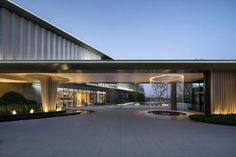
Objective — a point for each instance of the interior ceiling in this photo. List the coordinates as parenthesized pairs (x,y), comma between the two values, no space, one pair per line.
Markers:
(95,77)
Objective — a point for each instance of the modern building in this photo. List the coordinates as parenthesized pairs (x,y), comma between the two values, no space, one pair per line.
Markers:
(27,37)
(33,52)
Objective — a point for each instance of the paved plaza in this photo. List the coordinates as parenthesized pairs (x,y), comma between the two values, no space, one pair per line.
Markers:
(116,132)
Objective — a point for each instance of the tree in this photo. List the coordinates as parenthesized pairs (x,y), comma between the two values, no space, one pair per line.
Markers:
(188,92)
(13,98)
(140,88)
(180,91)
(160,90)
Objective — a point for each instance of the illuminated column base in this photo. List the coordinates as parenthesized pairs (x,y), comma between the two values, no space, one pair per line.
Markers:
(173,96)
(48,90)
(48,93)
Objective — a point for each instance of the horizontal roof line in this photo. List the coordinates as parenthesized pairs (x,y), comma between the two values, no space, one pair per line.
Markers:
(116,61)
(116,66)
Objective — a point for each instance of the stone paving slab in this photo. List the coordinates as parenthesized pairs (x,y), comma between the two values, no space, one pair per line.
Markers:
(115,132)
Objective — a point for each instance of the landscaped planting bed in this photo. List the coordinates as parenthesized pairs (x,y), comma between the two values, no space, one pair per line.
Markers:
(227,119)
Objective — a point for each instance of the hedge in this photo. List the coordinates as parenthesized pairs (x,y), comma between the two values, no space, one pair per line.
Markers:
(228,119)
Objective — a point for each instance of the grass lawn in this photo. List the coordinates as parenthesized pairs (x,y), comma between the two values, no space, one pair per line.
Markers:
(228,119)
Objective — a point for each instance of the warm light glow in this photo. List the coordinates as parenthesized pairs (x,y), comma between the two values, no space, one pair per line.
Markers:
(223,113)
(64,67)
(14,112)
(45,110)
(5,80)
(58,109)
(164,104)
(166,78)
(31,111)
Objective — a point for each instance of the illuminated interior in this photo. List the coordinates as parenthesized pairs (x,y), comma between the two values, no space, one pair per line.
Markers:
(69,94)
(68,97)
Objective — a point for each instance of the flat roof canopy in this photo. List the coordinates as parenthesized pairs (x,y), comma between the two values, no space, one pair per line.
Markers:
(130,71)
(95,77)
(116,66)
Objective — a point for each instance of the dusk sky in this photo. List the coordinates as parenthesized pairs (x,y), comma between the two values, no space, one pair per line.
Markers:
(146,29)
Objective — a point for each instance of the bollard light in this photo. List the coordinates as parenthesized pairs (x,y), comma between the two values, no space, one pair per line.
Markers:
(31,111)
(14,112)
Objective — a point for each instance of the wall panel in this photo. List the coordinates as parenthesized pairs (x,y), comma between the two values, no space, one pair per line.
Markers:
(25,89)
(21,39)
(223,92)
(59,46)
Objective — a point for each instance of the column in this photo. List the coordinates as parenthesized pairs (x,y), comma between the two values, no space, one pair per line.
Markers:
(94,97)
(173,96)
(48,89)
(48,93)
(207,94)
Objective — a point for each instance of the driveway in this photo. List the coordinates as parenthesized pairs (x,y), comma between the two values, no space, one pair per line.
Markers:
(116,132)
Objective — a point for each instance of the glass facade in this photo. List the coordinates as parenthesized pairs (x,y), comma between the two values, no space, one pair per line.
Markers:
(68,97)
(198,97)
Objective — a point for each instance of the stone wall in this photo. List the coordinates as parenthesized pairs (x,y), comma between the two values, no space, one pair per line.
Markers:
(26,89)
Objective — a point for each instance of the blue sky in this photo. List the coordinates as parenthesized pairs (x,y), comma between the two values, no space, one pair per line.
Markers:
(146,29)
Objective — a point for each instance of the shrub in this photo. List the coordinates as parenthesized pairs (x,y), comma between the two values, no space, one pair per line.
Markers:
(2,102)
(19,108)
(13,98)
(97,103)
(120,101)
(31,102)
(228,119)
(15,101)
(136,96)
